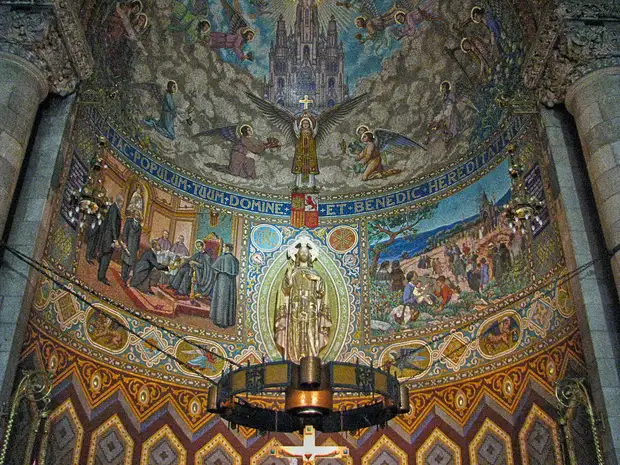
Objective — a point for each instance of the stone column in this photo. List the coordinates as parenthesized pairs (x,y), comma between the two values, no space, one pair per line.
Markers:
(575,59)
(23,88)
(42,48)
(594,102)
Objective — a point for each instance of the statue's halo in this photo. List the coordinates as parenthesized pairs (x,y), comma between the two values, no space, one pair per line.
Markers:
(303,241)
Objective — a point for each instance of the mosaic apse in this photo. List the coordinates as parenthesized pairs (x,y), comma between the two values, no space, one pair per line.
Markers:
(199,104)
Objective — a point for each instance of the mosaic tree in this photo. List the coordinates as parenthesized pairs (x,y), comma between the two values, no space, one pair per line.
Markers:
(383,232)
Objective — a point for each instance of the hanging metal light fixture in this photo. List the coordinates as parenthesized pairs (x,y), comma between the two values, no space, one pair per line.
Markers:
(523,210)
(309,389)
(89,204)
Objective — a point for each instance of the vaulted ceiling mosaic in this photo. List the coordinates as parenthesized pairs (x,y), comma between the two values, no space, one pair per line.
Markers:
(431,82)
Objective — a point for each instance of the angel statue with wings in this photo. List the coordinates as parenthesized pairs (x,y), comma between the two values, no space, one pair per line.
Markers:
(306,132)
(376,144)
(239,33)
(246,148)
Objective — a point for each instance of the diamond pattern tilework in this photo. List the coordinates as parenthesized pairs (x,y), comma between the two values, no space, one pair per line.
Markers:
(439,455)
(385,458)
(110,449)
(163,448)
(217,457)
(538,439)
(275,461)
(163,454)
(61,443)
(492,451)
(438,449)
(218,451)
(331,462)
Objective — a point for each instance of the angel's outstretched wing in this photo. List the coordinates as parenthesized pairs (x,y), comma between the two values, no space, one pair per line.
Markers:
(429,6)
(329,119)
(236,20)
(280,118)
(155,90)
(466,94)
(227,132)
(200,7)
(387,139)
(193,352)
(367,8)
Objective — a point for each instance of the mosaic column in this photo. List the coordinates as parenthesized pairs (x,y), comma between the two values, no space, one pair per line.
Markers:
(23,88)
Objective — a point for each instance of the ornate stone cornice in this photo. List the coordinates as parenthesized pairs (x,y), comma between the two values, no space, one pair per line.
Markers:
(50,36)
(575,38)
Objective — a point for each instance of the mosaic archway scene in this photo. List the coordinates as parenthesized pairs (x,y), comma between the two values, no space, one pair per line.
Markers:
(227,144)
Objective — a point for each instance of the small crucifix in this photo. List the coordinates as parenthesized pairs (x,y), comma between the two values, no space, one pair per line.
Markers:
(309,452)
(306,101)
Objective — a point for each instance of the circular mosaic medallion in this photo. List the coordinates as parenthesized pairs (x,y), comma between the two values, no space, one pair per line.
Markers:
(342,239)
(266,237)
(196,359)
(103,330)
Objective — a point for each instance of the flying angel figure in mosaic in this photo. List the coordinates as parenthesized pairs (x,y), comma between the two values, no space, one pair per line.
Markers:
(245,150)
(408,12)
(239,33)
(306,132)
(378,143)
(190,18)
(414,18)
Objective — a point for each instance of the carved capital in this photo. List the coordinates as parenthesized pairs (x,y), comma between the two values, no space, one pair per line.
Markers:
(50,36)
(575,38)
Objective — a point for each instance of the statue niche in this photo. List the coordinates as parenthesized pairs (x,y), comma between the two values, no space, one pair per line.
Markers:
(302,323)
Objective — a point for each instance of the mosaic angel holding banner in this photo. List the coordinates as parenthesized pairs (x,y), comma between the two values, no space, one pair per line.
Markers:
(306,132)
